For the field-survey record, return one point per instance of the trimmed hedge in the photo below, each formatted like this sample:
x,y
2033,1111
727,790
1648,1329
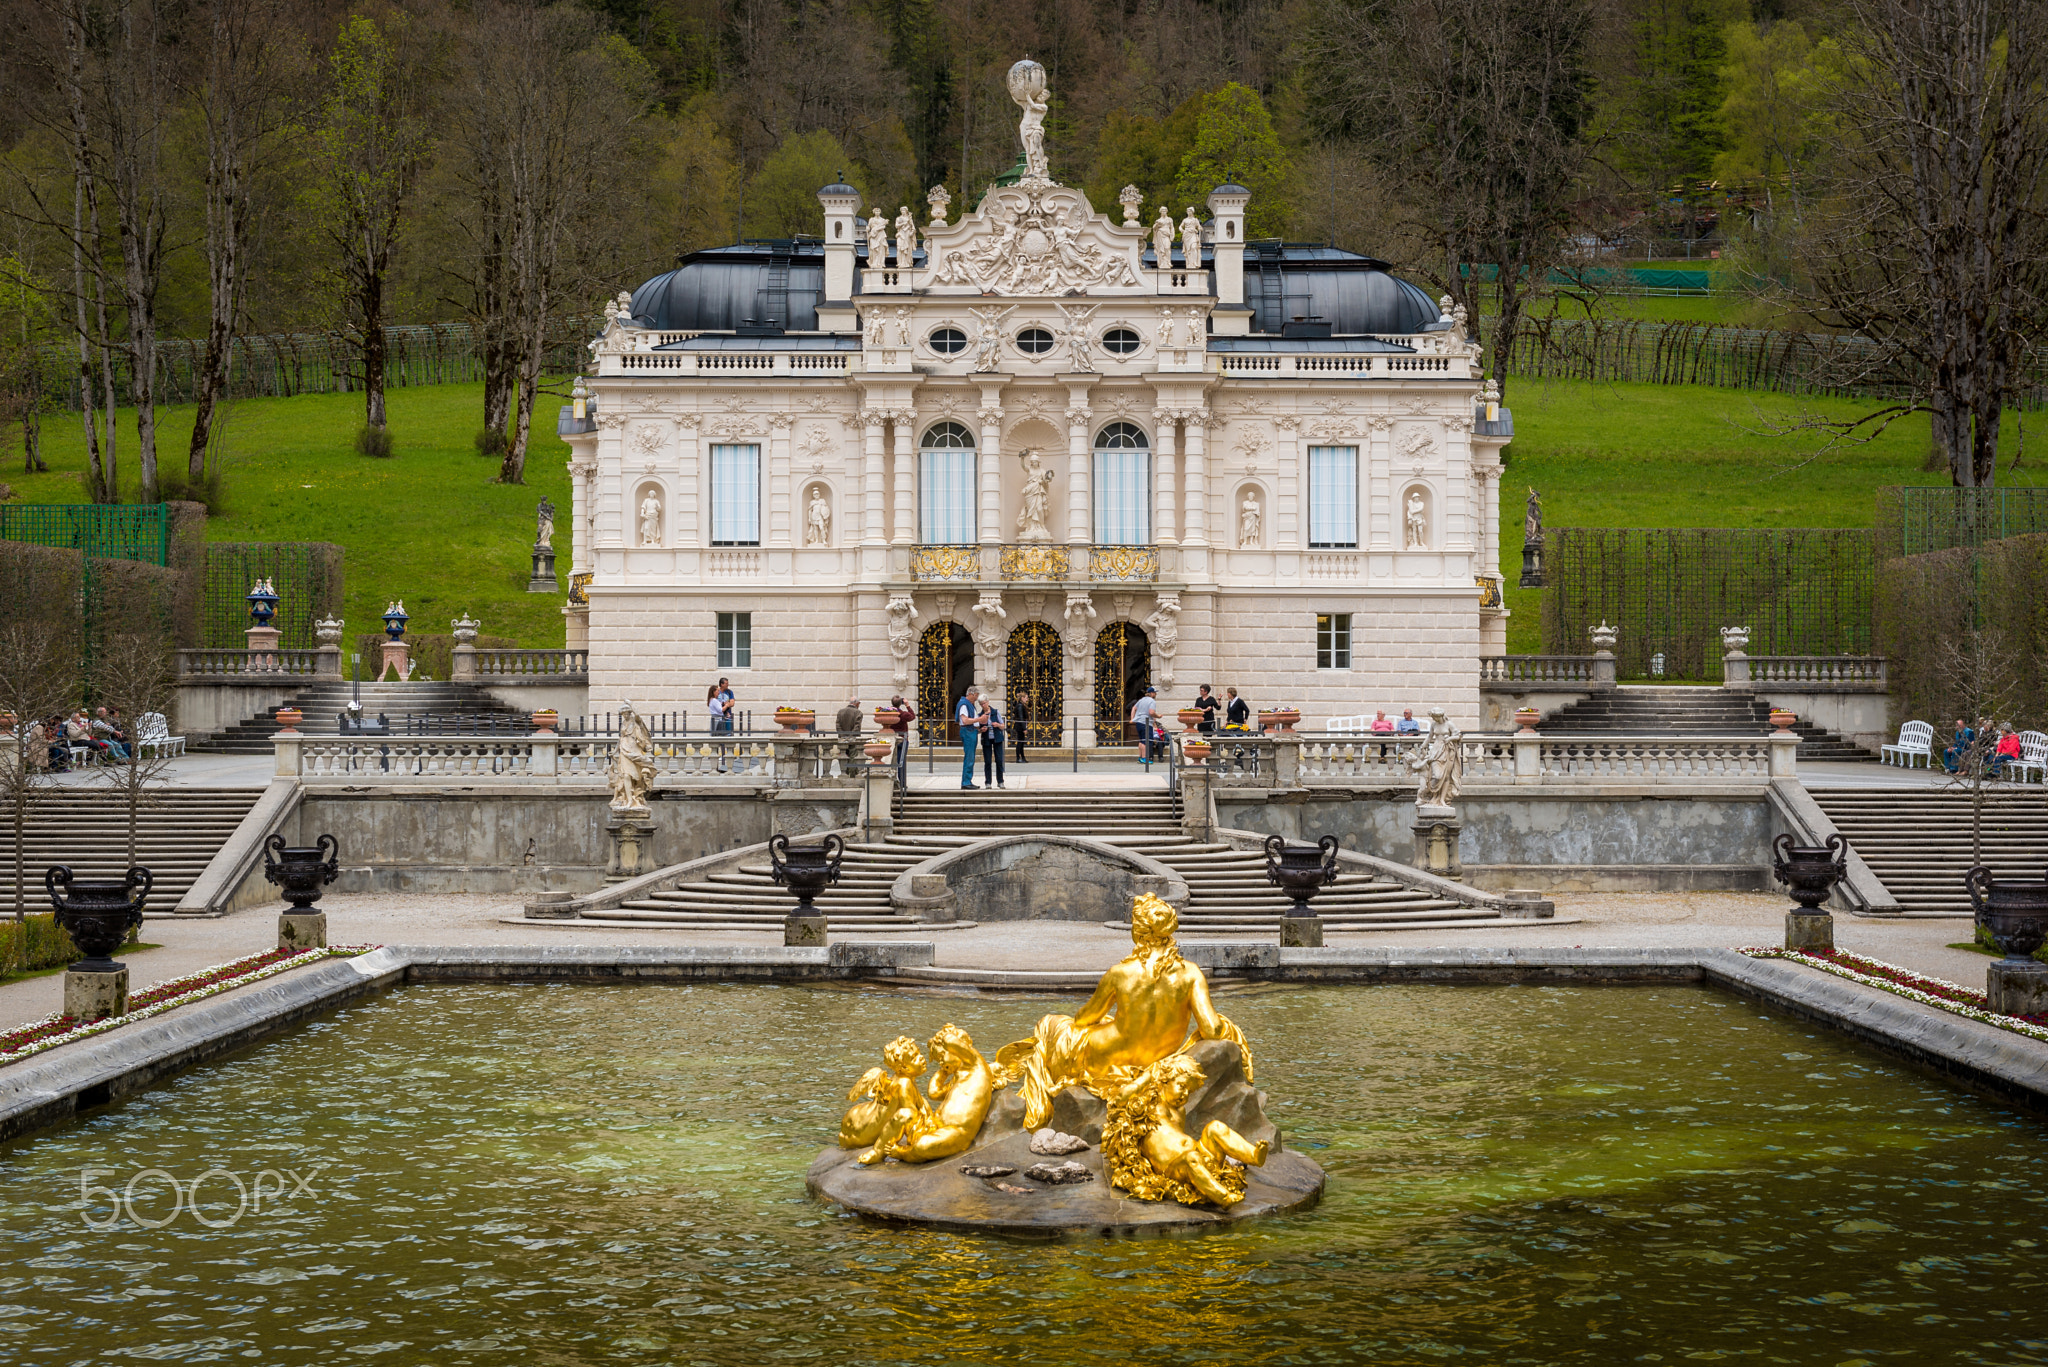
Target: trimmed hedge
x,y
2001,587
46,944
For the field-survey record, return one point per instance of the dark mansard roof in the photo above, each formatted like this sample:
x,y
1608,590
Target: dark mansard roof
x,y
781,283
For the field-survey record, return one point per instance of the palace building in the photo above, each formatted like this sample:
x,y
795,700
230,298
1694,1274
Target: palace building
x,y
1035,447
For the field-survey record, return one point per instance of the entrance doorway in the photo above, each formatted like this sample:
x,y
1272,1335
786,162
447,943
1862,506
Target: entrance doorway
x,y
1032,660
1123,669
945,667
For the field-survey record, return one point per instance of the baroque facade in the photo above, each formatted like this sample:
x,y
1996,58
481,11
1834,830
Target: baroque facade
x,y
1036,447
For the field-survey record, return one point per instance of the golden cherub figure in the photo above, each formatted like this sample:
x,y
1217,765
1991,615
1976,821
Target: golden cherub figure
x,y
1142,1012
894,1120
1150,1154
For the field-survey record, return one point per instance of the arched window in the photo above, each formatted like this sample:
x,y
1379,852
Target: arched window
x,y
946,480
1123,486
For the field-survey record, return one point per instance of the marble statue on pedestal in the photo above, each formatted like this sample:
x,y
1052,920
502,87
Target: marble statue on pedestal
x,y
878,238
1417,520
650,521
1037,498
1248,521
1441,763
1191,240
906,236
1027,88
1162,240
818,519
632,771
544,526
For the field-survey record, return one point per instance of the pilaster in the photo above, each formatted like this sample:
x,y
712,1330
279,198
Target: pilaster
x,y
778,528
1080,472
1164,456
905,423
874,478
988,459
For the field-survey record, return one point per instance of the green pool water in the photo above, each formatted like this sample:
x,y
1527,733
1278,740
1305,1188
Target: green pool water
x,y
540,1175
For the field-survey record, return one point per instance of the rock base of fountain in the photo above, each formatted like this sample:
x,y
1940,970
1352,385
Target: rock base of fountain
x,y
91,995
941,1195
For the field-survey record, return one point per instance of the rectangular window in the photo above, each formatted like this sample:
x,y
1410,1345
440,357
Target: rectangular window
x,y
1332,497
735,640
1123,498
1333,640
948,498
735,495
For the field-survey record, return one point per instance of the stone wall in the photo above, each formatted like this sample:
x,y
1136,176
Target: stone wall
x,y
1599,840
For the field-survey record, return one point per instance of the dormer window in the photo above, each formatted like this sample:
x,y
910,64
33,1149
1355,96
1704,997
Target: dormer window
x,y
949,341
1120,341
1034,341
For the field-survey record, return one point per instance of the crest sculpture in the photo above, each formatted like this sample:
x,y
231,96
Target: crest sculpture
x,y
1146,1091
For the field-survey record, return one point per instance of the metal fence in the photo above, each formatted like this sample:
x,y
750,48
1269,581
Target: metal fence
x,y
101,531
306,574
1912,520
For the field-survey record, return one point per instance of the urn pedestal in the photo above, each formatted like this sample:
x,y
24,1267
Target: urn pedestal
x,y
631,832
805,870
98,915
2014,912
543,578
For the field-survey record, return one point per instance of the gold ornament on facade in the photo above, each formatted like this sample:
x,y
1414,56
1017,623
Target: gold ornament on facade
x,y
945,562
1489,591
1035,562
1140,563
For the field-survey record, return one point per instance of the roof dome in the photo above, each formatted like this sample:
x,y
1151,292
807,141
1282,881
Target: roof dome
x,y
720,289
1352,293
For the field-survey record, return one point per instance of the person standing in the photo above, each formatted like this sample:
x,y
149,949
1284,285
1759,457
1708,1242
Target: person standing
x,y
968,715
992,743
905,715
1020,718
1236,711
847,723
1143,713
1207,702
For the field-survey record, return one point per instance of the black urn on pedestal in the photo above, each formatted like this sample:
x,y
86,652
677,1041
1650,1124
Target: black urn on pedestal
x,y
1301,870
1809,872
98,914
300,870
805,870
2013,911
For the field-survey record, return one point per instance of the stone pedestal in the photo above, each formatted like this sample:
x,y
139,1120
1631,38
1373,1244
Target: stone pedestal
x,y
879,806
543,577
1437,830
551,906
2017,989
1532,564
395,655
803,930
302,930
262,649
1301,932
576,626
1809,930
632,832
1194,800
95,996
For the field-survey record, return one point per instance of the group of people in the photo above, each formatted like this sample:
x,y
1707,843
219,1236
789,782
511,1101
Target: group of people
x,y
2004,749
718,701
103,734
984,728
1151,733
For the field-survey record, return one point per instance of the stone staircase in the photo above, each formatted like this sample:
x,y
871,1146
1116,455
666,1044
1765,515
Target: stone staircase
x,y
1917,841
178,831
1677,710
1228,892
322,703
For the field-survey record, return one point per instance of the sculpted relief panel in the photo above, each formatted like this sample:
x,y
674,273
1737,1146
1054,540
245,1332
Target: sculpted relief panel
x,y
1035,239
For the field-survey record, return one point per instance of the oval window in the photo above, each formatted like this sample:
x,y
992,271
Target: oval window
x,y
1120,341
949,341
1034,341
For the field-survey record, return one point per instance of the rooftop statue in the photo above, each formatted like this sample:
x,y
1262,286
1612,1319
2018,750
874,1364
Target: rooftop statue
x,y
1143,1011
1027,88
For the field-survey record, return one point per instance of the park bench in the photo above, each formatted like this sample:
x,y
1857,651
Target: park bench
x,y
1916,738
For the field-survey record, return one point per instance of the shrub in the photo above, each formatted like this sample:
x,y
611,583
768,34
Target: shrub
x,y
35,942
374,441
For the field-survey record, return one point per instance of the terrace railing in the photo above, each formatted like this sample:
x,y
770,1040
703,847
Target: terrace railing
x,y
782,762
1536,669
225,664
1311,760
503,665
1856,672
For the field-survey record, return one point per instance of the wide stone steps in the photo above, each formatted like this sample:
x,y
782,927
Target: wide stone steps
x,y
1918,842
1638,710
178,832
323,703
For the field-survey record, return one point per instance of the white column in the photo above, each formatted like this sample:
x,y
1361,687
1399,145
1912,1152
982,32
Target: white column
x,y
906,476
1163,457
873,479
989,460
1080,530
1195,531
778,480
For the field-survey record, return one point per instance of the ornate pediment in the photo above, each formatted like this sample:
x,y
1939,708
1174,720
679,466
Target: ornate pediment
x,y
1034,238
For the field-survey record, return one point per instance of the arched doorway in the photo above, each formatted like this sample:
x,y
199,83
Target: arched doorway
x,y
1032,661
1123,667
945,667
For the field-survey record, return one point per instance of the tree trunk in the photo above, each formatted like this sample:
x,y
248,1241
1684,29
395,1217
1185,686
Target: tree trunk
x,y
372,307
513,470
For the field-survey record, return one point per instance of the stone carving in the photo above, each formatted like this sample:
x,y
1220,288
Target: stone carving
x,y
988,631
1164,628
902,635
1037,246
1074,336
1162,240
818,518
648,439
1441,763
1417,445
938,199
1027,88
878,239
988,338
1036,496
1131,198
544,526
1080,635
1252,446
817,444
1191,240
1532,519
632,771
906,237
650,519
1735,640
1249,519
1415,518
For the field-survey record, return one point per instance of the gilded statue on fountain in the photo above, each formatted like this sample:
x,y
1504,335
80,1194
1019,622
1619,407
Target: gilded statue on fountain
x,y
891,1119
1153,1157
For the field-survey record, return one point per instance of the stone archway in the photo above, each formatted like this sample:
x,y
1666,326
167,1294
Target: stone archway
x,y
1123,668
945,667
1032,660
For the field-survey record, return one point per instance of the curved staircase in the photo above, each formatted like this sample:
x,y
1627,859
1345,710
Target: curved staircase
x,y
1228,891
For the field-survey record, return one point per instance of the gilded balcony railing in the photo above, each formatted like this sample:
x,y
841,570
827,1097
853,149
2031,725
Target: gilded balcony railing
x,y
945,562
1040,560
1127,563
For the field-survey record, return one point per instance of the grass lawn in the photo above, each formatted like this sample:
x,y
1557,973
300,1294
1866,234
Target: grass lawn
x,y
427,525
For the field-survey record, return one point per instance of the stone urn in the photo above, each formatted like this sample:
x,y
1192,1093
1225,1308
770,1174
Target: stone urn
x,y
2013,911
887,716
805,870
98,914
300,871
289,718
1196,751
1809,872
877,751
546,720
1783,717
1279,719
1301,870
795,720
1191,717
1526,719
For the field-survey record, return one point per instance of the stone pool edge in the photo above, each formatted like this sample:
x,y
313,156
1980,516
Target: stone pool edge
x,y
48,1088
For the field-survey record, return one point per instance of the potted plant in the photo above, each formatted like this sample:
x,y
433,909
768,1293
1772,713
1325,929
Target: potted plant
x,y
1783,717
878,751
289,718
1195,751
795,719
1278,718
546,720
887,716
1191,717
1526,719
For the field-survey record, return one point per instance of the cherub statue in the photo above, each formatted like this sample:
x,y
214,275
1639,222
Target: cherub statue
x,y
1142,1012
1150,1154
960,1091
886,1102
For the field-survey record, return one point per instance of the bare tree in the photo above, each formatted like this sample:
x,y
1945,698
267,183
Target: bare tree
x,y
1473,121
1973,667
133,674
38,680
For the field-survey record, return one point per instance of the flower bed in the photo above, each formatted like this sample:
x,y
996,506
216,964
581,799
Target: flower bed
x,y
52,1031
1905,983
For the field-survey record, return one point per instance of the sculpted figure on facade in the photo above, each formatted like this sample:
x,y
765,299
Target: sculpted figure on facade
x,y
1163,626
1249,518
1074,334
902,635
988,338
1080,635
1441,763
1191,240
1036,498
1417,520
818,518
650,520
906,237
1162,240
988,630
878,238
1034,246
1027,88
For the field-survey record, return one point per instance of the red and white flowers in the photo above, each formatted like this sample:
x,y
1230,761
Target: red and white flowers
x,y
1905,983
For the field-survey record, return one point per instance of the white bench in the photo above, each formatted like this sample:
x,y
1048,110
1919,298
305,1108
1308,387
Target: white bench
x,y
1916,738
153,732
1348,726
2033,757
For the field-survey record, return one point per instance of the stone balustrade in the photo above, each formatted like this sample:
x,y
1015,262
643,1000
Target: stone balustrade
x,y
770,761
521,664
324,662
1811,672
1379,760
1536,669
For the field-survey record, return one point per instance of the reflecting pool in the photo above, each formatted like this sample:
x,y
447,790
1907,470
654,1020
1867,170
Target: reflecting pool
x,y
558,1174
